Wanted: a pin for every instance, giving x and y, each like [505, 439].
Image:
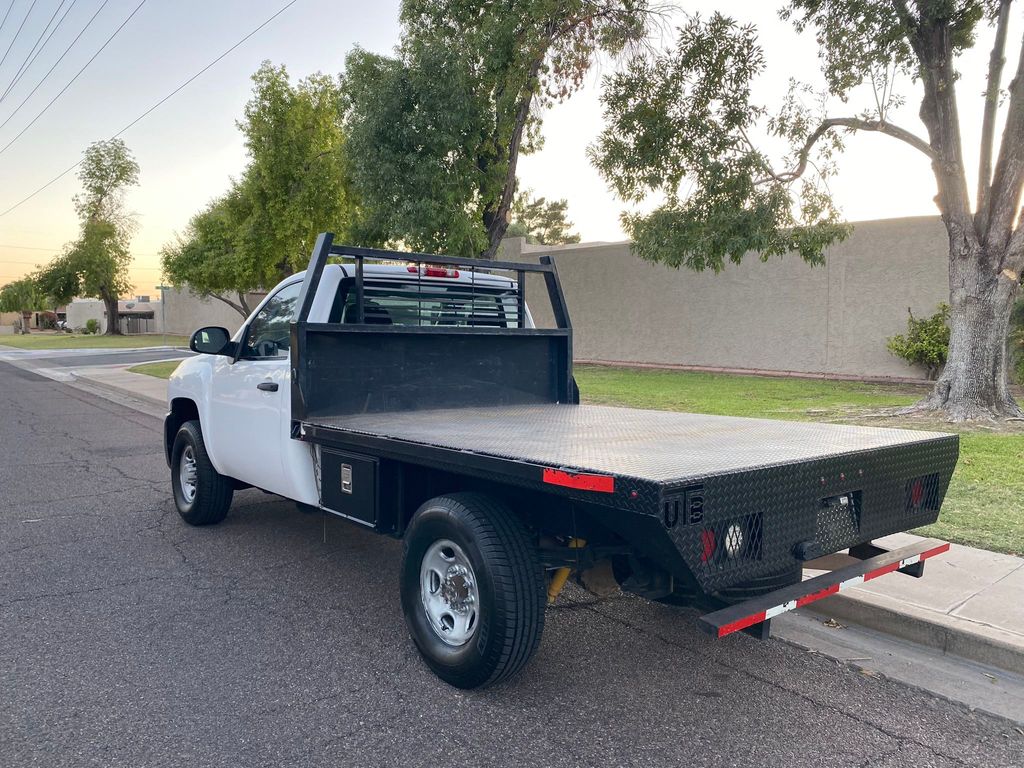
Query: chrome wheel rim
[187, 474]
[448, 592]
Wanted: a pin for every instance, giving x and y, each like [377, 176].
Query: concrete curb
[118, 394]
[947, 634]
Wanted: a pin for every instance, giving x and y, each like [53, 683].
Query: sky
[189, 148]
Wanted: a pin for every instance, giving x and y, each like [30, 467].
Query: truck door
[251, 396]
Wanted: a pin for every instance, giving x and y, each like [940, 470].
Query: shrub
[926, 342]
[92, 326]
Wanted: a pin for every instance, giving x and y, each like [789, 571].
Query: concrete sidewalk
[118, 381]
[970, 602]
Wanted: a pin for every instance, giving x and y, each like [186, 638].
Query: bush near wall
[926, 342]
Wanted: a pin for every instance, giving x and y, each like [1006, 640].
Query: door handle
[267, 386]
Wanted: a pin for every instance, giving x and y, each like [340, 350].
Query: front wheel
[201, 494]
[472, 589]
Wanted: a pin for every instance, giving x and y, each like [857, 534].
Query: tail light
[707, 542]
[429, 271]
[922, 493]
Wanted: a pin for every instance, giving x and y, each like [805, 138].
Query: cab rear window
[427, 303]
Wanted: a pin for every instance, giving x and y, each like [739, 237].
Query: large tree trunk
[974, 382]
[113, 324]
[26, 320]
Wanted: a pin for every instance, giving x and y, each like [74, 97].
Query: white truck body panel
[247, 430]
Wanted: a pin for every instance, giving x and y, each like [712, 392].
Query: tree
[96, 264]
[540, 221]
[21, 296]
[436, 131]
[294, 186]
[687, 114]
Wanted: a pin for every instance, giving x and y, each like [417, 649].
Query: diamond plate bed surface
[661, 446]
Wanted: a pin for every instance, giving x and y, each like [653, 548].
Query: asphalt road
[130, 639]
[62, 358]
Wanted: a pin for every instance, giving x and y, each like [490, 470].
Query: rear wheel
[201, 494]
[472, 589]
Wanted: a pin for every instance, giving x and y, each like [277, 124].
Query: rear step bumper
[739, 617]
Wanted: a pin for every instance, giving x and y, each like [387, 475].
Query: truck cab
[244, 398]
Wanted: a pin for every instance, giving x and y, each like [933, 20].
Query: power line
[30, 57]
[72, 80]
[58, 61]
[46, 42]
[9, 9]
[65, 172]
[16, 34]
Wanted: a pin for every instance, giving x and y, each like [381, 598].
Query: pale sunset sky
[189, 147]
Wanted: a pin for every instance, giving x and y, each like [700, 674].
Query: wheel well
[182, 410]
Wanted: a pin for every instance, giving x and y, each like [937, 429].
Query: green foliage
[677, 127]
[21, 296]
[294, 187]
[926, 342]
[540, 221]
[436, 129]
[96, 264]
[92, 327]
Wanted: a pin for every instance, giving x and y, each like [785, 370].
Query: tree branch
[1009, 170]
[988, 124]
[241, 307]
[853, 124]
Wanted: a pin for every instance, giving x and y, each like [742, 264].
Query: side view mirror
[212, 340]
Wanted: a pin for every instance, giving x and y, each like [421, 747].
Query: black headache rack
[730, 507]
[366, 366]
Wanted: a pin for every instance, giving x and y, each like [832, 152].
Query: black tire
[213, 491]
[510, 588]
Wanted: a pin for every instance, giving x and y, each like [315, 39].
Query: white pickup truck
[416, 398]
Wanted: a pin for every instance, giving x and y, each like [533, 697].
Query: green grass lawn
[985, 503]
[984, 506]
[83, 341]
[160, 370]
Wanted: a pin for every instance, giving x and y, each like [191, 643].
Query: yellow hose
[562, 574]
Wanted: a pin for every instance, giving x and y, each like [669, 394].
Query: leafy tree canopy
[20, 296]
[540, 221]
[436, 130]
[96, 264]
[294, 186]
[678, 126]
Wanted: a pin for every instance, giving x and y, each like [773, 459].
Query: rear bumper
[738, 617]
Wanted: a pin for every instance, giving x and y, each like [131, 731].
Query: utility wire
[58, 61]
[65, 172]
[30, 57]
[9, 9]
[16, 34]
[46, 42]
[72, 80]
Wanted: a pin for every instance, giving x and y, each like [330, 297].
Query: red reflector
[917, 493]
[707, 541]
[746, 621]
[583, 482]
[433, 271]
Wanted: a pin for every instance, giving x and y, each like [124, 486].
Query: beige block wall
[780, 315]
[185, 312]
